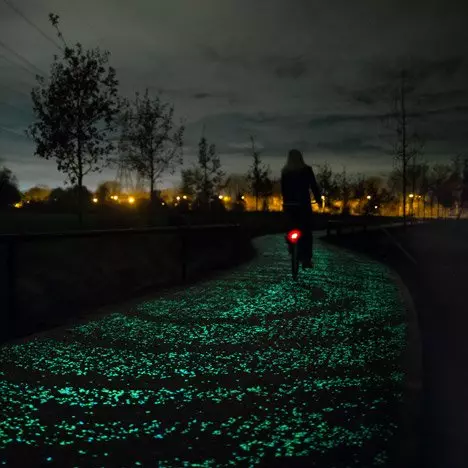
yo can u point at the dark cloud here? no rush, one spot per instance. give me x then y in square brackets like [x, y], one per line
[316, 76]
[292, 68]
[338, 119]
[349, 145]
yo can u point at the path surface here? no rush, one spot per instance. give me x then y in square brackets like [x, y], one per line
[240, 370]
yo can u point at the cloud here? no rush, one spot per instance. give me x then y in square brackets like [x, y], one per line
[349, 145]
[292, 68]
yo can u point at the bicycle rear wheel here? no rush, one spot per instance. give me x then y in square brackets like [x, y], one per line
[294, 261]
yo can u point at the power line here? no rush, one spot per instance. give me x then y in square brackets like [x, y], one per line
[13, 132]
[37, 28]
[20, 57]
[15, 90]
[16, 64]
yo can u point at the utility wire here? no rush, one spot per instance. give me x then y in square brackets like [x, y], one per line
[20, 57]
[16, 64]
[37, 28]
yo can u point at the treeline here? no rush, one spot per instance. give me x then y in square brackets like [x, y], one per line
[83, 125]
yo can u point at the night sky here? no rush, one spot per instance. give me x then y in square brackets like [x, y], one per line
[292, 73]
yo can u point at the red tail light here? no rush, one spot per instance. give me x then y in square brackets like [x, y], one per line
[294, 236]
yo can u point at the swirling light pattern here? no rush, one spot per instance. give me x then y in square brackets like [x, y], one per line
[240, 370]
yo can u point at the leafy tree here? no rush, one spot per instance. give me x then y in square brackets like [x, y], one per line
[69, 198]
[258, 177]
[9, 192]
[39, 193]
[150, 140]
[75, 111]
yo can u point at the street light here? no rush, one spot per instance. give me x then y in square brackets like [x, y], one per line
[242, 198]
[131, 200]
[411, 195]
[177, 198]
[220, 197]
[368, 197]
[95, 200]
[185, 197]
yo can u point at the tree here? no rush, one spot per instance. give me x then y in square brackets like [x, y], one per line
[150, 140]
[75, 111]
[205, 179]
[107, 189]
[37, 194]
[327, 183]
[258, 176]
[437, 182]
[406, 145]
[9, 192]
[69, 198]
[344, 189]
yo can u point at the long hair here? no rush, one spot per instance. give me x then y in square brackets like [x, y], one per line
[295, 161]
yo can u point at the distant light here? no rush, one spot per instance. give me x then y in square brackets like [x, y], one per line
[163, 204]
[220, 197]
[323, 197]
[242, 198]
[18, 205]
[95, 200]
[411, 195]
[368, 197]
[115, 197]
[376, 206]
[131, 200]
[185, 197]
[177, 198]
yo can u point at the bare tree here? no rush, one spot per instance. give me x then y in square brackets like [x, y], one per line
[258, 176]
[150, 140]
[206, 177]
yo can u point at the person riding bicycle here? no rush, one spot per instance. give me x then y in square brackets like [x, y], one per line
[297, 179]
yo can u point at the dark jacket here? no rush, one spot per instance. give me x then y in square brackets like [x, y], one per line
[296, 186]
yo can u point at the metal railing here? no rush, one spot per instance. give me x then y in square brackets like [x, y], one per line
[13, 243]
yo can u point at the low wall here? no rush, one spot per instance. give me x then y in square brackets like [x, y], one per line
[60, 278]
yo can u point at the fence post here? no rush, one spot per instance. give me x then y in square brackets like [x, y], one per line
[183, 252]
[11, 282]
[237, 241]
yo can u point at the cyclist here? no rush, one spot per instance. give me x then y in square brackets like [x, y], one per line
[297, 179]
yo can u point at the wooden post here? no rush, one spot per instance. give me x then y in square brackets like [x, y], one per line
[183, 253]
[11, 283]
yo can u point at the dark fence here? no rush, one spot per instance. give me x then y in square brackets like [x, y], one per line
[360, 224]
[163, 255]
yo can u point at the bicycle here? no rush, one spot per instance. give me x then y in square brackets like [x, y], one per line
[292, 239]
